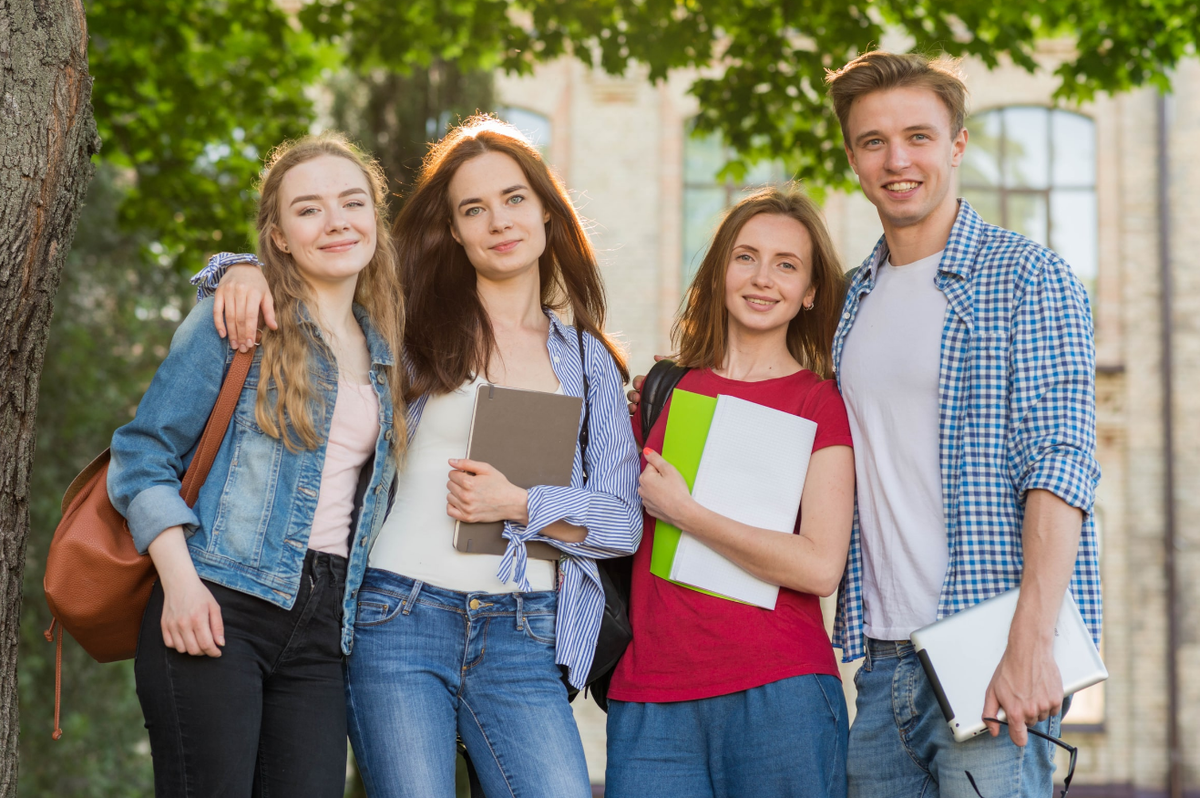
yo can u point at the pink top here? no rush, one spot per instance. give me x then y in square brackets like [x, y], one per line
[352, 436]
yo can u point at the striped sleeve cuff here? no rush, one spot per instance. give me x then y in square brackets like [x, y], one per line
[208, 278]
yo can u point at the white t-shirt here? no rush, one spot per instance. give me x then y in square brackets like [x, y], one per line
[417, 539]
[889, 378]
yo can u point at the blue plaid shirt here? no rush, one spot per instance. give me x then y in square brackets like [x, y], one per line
[1017, 412]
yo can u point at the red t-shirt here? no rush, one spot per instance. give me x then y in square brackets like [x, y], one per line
[689, 645]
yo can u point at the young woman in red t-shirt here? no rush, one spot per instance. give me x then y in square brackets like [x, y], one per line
[714, 697]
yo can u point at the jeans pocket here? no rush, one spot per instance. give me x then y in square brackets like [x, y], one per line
[376, 608]
[836, 703]
[540, 628]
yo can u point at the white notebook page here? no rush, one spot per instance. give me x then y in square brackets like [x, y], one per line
[752, 470]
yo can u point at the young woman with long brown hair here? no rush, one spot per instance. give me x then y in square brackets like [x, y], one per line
[446, 642]
[239, 660]
[714, 697]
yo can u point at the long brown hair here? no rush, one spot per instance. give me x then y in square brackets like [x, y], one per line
[701, 333]
[285, 353]
[449, 338]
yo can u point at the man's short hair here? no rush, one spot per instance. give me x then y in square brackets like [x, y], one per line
[879, 70]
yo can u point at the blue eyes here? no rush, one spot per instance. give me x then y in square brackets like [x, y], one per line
[515, 199]
[747, 258]
[309, 211]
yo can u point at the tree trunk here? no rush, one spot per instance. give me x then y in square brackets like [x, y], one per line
[47, 138]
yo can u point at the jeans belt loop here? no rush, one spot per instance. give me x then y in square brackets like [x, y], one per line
[867, 648]
[412, 597]
[520, 612]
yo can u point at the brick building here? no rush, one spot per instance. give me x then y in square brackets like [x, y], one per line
[1086, 180]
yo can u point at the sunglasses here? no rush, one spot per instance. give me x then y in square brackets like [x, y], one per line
[1072, 750]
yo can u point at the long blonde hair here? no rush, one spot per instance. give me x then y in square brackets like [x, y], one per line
[291, 417]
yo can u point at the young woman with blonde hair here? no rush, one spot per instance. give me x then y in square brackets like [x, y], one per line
[448, 642]
[239, 662]
[713, 697]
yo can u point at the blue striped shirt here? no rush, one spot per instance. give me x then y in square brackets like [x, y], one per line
[608, 506]
[1017, 412]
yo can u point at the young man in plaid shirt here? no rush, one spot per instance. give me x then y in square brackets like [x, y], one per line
[966, 360]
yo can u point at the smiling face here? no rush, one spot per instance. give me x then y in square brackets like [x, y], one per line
[901, 147]
[496, 217]
[326, 219]
[769, 275]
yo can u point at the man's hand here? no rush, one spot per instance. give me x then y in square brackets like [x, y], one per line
[478, 493]
[240, 295]
[1027, 685]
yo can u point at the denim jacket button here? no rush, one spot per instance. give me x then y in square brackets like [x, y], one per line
[387, 436]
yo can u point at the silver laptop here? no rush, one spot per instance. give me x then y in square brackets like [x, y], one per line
[960, 654]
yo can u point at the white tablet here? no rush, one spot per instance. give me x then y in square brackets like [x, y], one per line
[960, 654]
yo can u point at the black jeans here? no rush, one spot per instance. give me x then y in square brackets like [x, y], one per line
[267, 717]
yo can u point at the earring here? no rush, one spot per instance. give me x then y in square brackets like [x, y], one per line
[809, 306]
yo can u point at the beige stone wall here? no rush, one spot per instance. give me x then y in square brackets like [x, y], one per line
[618, 143]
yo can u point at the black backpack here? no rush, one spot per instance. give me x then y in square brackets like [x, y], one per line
[618, 572]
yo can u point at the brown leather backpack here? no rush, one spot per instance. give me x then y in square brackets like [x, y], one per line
[97, 585]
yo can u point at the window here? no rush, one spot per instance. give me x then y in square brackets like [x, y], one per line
[1033, 170]
[535, 126]
[705, 197]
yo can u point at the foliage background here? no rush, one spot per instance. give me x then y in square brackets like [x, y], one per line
[189, 95]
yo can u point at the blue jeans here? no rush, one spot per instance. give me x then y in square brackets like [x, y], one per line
[785, 739]
[901, 745]
[429, 663]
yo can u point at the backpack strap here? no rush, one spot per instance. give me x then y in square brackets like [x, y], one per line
[656, 389]
[587, 406]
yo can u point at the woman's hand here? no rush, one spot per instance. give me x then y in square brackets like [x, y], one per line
[240, 295]
[663, 490]
[191, 617]
[481, 494]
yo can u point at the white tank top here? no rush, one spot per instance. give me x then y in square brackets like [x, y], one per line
[417, 539]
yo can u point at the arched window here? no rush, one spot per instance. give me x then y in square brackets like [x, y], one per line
[1033, 170]
[534, 125]
[706, 197]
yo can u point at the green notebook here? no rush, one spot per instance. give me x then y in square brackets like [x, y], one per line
[683, 444]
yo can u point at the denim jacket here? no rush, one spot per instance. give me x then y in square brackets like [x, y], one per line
[249, 528]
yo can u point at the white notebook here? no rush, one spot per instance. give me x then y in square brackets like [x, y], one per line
[752, 470]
